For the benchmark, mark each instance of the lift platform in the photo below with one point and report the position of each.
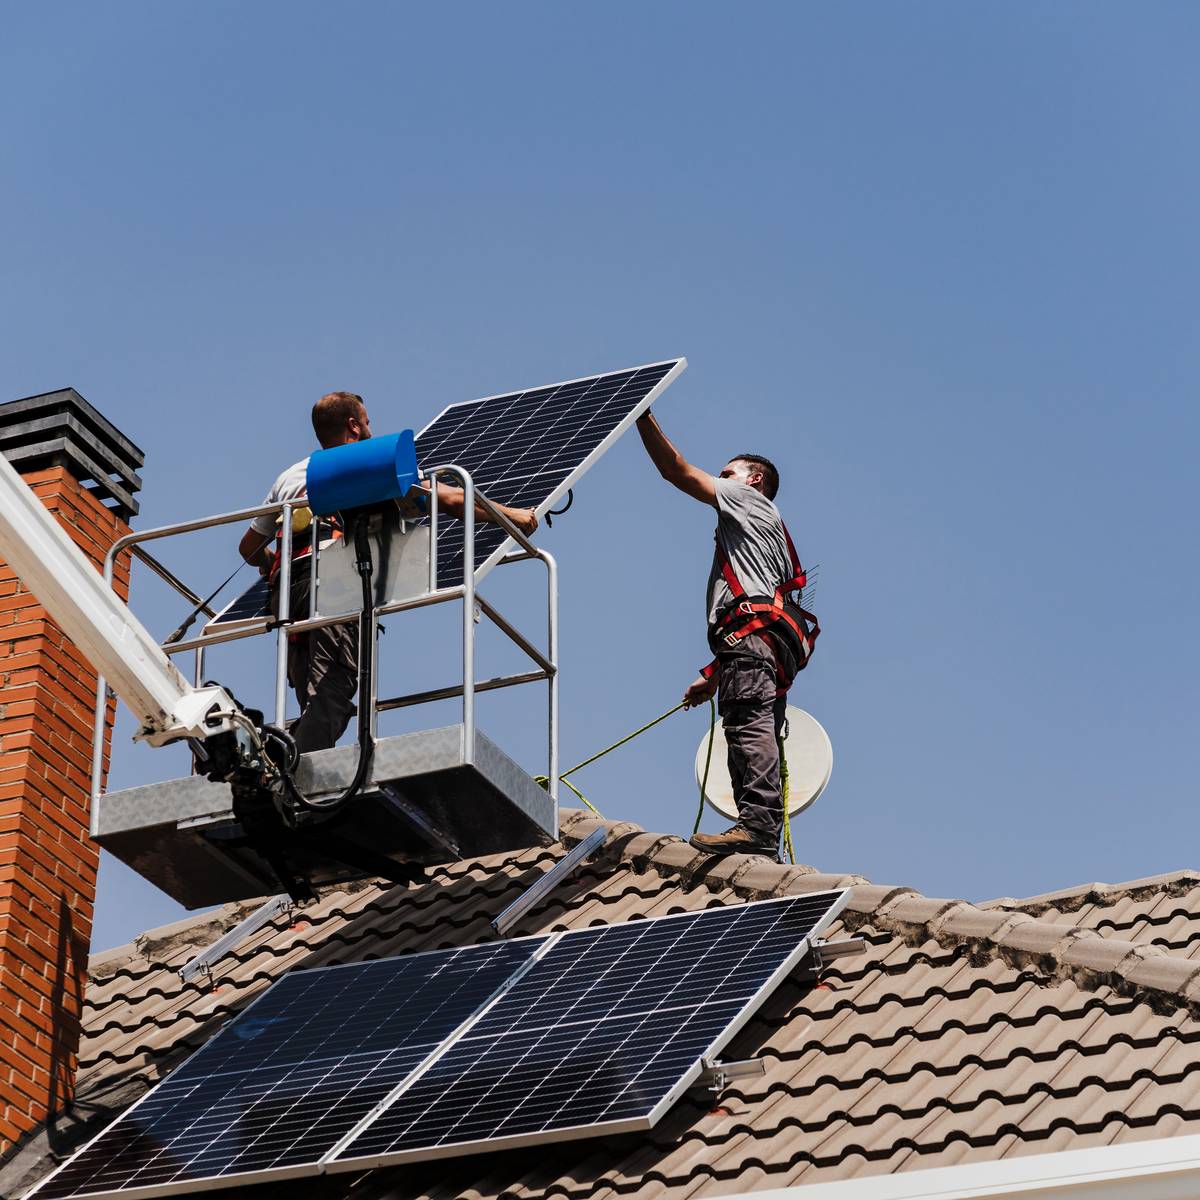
(431, 796)
(426, 802)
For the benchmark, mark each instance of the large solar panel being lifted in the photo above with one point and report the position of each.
(569, 1035)
(527, 449)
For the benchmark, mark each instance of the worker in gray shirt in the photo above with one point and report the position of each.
(754, 566)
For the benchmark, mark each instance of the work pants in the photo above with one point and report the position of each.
(322, 668)
(752, 717)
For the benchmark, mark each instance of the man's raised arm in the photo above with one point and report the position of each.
(672, 466)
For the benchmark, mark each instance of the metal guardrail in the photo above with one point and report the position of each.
(285, 623)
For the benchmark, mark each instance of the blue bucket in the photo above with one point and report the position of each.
(362, 473)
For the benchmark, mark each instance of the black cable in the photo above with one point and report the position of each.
(558, 512)
(366, 643)
(191, 617)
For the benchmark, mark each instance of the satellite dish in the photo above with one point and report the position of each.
(809, 756)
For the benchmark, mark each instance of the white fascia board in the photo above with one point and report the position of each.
(1162, 1169)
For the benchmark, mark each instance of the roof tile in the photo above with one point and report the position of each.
(963, 1034)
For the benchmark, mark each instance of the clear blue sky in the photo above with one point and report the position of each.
(938, 260)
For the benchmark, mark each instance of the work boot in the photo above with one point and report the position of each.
(734, 841)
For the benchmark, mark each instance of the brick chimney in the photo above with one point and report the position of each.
(84, 471)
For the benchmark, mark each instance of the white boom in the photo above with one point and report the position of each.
(90, 613)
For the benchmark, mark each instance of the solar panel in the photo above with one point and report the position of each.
(576, 1034)
(252, 607)
(527, 448)
(276, 1090)
(600, 1035)
(524, 449)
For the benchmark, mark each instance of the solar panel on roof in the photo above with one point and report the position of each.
(568, 1035)
(600, 1035)
(276, 1090)
(527, 449)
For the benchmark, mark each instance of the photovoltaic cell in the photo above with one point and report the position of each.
(450, 1052)
(276, 1089)
(526, 449)
(601, 1034)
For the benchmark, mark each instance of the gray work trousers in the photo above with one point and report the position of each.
(322, 667)
(752, 717)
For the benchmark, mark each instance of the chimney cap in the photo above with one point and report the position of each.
(61, 428)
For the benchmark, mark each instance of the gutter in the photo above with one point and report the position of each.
(1162, 1169)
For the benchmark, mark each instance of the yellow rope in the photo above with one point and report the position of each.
(544, 780)
(712, 727)
(783, 791)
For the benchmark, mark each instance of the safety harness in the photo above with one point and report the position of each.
(302, 537)
(302, 544)
(792, 631)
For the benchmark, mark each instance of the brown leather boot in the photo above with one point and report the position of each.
(734, 841)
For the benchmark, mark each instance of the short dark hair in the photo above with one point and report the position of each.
(770, 472)
(330, 414)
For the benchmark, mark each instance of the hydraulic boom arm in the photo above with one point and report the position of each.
(107, 633)
(232, 744)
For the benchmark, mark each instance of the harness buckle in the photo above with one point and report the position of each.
(746, 608)
(730, 639)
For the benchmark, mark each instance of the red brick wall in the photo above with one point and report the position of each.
(47, 861)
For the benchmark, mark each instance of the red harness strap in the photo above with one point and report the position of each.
(302, 545)
(304, 550)
(747, 616)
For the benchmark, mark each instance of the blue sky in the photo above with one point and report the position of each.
(937, 260)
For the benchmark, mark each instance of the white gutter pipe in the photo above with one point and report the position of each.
(1162, 1169)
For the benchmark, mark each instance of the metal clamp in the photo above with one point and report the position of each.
(825, 952)
(716, 1075)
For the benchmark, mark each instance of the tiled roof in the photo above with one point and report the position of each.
(966, 1033)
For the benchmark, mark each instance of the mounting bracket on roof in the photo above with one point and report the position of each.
(826, 952)
(716, 1075)
(202, 963)
(561, 869)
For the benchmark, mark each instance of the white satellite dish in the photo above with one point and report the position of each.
(809, 754)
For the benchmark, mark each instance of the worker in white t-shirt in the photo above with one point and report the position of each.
(323, 663)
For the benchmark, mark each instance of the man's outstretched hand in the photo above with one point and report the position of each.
(525, 519)
(700, 690)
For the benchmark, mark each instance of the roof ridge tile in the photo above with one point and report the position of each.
(1171, 883)
(1057, 949)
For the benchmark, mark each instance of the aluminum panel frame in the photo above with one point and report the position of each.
(300, 1171)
